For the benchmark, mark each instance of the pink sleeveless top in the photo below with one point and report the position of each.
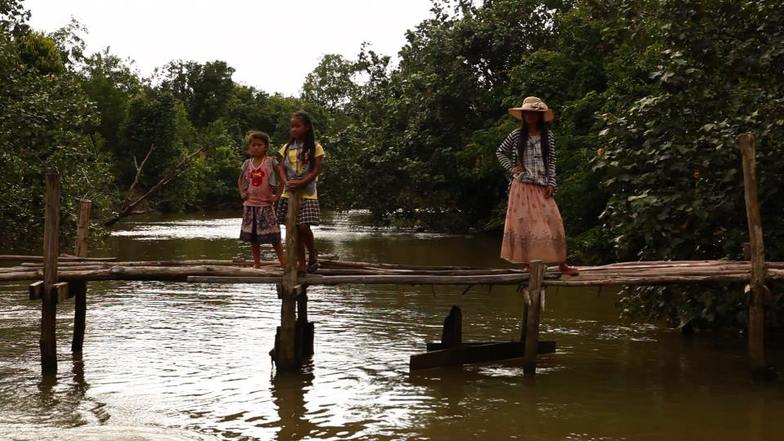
(260, 193)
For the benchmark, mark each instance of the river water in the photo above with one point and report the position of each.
(177, 361)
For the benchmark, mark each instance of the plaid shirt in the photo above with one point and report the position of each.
(534, 167)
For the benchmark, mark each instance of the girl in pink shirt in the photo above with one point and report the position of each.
(259, 225)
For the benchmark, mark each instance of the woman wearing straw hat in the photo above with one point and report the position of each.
(533, 229)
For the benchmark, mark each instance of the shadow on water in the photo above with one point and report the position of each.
(288, 395)
(46, 394)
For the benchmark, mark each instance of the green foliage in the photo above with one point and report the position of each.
(671, 163)
(222, 169)
(42, 125)
(205, 89)
(110, 83)
(40, 53)
(151, 121)
(649, 97)
(332, 84)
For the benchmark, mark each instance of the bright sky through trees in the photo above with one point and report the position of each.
(272, 44)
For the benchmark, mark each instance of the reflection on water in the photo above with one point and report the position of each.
(184, 361)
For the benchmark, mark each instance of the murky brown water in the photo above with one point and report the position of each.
(182, 361)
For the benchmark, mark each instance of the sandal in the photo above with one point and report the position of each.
(313, 266)
(568, 270)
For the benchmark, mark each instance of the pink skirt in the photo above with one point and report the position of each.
(534, 228)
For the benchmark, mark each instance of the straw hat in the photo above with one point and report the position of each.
(532, 104)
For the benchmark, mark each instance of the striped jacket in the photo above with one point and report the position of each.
(535, 170)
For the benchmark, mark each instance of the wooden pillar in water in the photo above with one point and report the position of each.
(756, 300)
(304, 329)
(535, 288)
(452, 332)
(79, 288)
(524, 320)
(48, 342)
(285, 352)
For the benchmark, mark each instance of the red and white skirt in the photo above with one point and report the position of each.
(533, 229)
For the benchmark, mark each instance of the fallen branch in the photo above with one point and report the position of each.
(128, 209)
(139, 168)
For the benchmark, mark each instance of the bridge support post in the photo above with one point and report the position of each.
(294, 337)
(534, 300)
(285, 354)
(79, 288)
(758, 292)
(48, 342)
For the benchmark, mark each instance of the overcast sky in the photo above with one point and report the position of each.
(271, 44)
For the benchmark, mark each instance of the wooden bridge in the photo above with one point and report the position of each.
(58, 277)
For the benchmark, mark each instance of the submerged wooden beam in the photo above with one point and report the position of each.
(474, 353)
(545, 346)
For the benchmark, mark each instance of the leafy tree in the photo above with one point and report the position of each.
(204, 88)
(110, 83)
(332, 83)
(152, 121)
(42, 125)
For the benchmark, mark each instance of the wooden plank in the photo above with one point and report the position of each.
(756, 310)
(535, 288)
(348, 263)
(60, 291)
(151, 270)
(36, 290)
(316, 279)
(651, 280)
(474, 353)
(29, 258)
(51, 250)
(233, 274)
(31, 266)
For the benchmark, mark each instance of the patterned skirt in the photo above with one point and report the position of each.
(534, 228)
(308, 212)
(259, 226)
